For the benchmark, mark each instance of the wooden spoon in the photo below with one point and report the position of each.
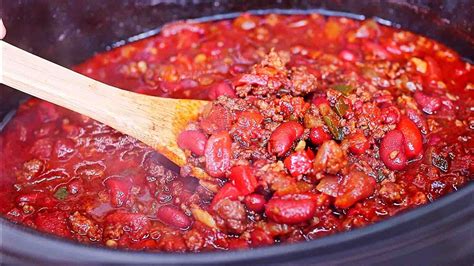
(153, 120)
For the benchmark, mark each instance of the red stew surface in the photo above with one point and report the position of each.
(318, 125)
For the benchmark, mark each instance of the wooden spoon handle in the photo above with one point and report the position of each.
(59, 85)
(153, 120)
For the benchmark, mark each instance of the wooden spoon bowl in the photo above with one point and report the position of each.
(153, 120)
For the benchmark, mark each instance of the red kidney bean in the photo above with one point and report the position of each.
(347, 55)
(355, 186)
(227, 191)
(221, 88)
(283, 137)
(417, 118)
(290, 211)
(119, 190)
(329, 186)
(218, 154)
(260, 238)
(317, 135)
(297, 196)
(298, 163)
(392, 150)
(390, 114)
(428, 104)
(172, 216)
(358, 143)
(192, 140)
(243, 179)
(255, 202)
(413, 138)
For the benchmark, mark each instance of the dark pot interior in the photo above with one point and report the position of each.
(67, 32)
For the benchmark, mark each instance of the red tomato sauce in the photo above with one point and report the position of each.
(344, 124)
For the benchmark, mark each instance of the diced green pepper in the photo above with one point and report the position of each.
(341, 107)
(61, 193)
(335, 131)
(344, 88)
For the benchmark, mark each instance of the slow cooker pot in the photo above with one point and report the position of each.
(68, 32)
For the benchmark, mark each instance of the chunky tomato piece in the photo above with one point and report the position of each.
(138, 224)
(358, 143)
(243, 179)
(260, 238)
(413, 138)
(247, 127)
(227, 191)
(220, 89)
(329, 185)
(298, 163)
(218, 154)
(283, 137)
(54, 222)
(217, 120)
(318, 135)
(355, 186)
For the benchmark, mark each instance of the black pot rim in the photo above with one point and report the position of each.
(18, 239)
(16, 236)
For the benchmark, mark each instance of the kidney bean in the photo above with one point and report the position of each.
(317, 135)
(290, 211)
(221, 88)
(428, 104)
(355, 186)
(218, 154)
(255, 202)
(392, 150)
(283, 137)
(243, 179)
(297, 196)
(260, 238)
(227, 191)
(192, 140)
(390, 114)
(329, 186)
(298, 163)
(413, 138)
(347, 55)
(358, 143)
(119, 190)
(417, 118)
(172, 216)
